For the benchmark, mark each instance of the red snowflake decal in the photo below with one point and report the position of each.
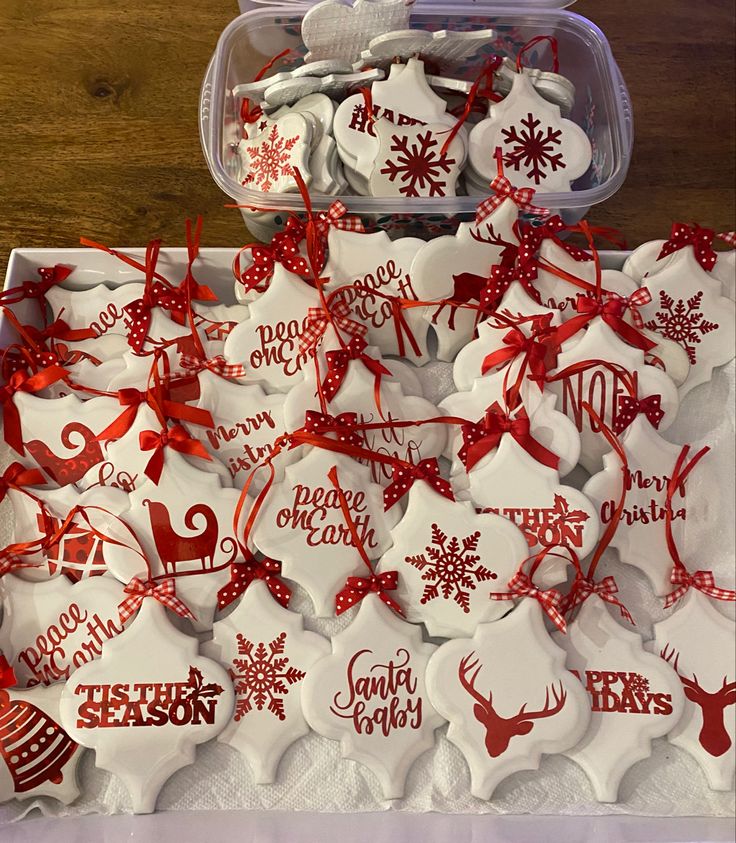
(264, 676)
(639, 685)
(270, 160)
(533, 147)
(419, 166)
(682, 322)
(452, 568)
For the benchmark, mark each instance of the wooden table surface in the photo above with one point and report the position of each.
(99, 105)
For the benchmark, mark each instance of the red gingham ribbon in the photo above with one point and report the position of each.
(176, 438)
(606, 589)
(702, 580)
(404, 476)
(243, 573)
(356, 588)
(521, 585)
(338, 363)
(701, 239)
(193, 365)
(633, 302)
(503, 189)
(336, 217)
(283, 249)
(163, 591)
(481, 438)
(629, 408)
(342, 426)
(318, 320)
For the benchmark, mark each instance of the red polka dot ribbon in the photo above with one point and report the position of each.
(629, 408)
(532, 237)
(502, 276)
(521, 585)
(50, 277)
(701, 240)
(164, 591)
(338, 363)
(283, 249)
(356, 588)
(243, 573)
(701, 580)
(342, 426)
(176, 438)
(318, 320)
(140, 312)
(482, 438)
(404, 475)
(606, 589)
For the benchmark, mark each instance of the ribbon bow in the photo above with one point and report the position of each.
(7, 674)
(606, 589)
(356, 588)
(521, 585)
(629, 408)
(23, 382)
(50, 277)
(140, 311)
(60, 330)
(503, 189)
(336, 217)
(218, 365)
(283, 249)
(611, 308)
(515, 344)
(633, 302)
(164, 592)
(701, 239)
(338, 363)
(176, 438)
(318, 319)
(502, 276)
(701, 580)
(405, 474)
(481, 438)
(342, 426)
(242, 574)
(17, 476)
(533, 236)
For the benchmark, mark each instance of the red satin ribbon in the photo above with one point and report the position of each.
(481, 438)
(189, 286)
(406, 474)
(532, 43)
(176, 438)
(521, 585)
(7, 674)
(23, 382)
(611, 309)
(242, 574)
(629, 408)
(485, 77)
(17, 477)
(247, 113)
(515, 344)
(60, 330)
(164, 591)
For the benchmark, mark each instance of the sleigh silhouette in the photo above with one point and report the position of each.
(200, 548)
(66, 470)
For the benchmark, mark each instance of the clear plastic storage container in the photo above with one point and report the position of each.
(602, 105)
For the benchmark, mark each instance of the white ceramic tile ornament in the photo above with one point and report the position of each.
(332, 85)
(449, 560)
(94, 363)
(101, 308)
(256, 89)
(370, 695)
(463, 262)
(267, 343)
(357, 395)
(247, 423)
(541, 149)
(267, 653)
(185, 527)
(59, 433)
(553, 87)
(515, 304)
(513, 484)
(146, 704)
(640, 538)
(410, 161)
(548, 425)
(38, 757)
(602, 388)
(51, 628)
(302, 524)
(634, 696)
(375, 262)
(318, 105)
(698, 641)
(334, 29)
(687, 307)
(441, 47)
(508, 697)
(268, 159)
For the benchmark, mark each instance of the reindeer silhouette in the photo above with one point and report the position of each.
(172, 547)
(713, 737)
(500, 730)
(63, 470)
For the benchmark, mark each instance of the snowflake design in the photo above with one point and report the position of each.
(419, 166)
(270, 160)
(263, 676)
(533, 147)
(452, 568)
(639, 685)
(682, 322)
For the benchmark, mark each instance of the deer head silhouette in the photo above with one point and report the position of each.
(500, 730)
(714, 737)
